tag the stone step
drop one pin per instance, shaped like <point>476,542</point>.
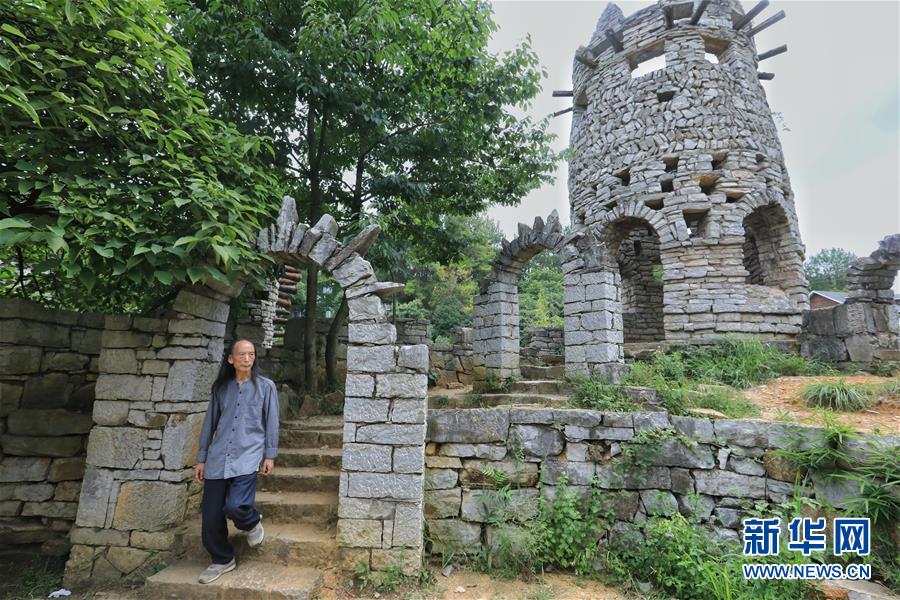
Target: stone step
<point>318,422</point>
<point>300,479</point>
<point>553,387</point>
<point>298,507</point>
<point>250,581</point>
<point>309,457</point>
<point>486,400</point>
<point>285,543</point>
<point>310,438</point>
<point>543,373</point>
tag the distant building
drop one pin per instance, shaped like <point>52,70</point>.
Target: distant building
<point>827,299</point>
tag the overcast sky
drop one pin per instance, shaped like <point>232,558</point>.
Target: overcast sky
<point>838,87</point>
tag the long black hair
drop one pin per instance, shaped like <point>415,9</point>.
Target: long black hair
<point>227,371</point>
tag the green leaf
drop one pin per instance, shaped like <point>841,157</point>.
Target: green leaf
<point>70,12</point>
<point>13,30</point>
<point>103,251</point>
<point>14,223</point>
<point>163,276</point>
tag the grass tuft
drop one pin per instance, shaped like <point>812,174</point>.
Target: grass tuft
<point>839,396</point>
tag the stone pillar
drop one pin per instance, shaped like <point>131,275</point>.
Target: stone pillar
<point>152,393</point>
<point>382,478</point>
<point>496,326</point>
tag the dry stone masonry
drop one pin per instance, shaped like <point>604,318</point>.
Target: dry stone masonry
<point>865,328</point>
<point>49,360</point>
<point>679,177</point>
<point>380,507</point>
<point>544,344</point>
<point>452,364</point>
<point>151,394</point>
<point>715,471</point>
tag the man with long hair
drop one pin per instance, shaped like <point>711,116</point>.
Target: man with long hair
<point>239,438</point>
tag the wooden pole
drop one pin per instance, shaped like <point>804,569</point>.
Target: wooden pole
<point>699,12</point>
<point>766,76</point>
<point>749,16</point>
<point>767,23</point>
<point>563,93</point>
<point>562,112</point>
<point>773,52</point>
<point>670,17</point>
<point>585,57</point>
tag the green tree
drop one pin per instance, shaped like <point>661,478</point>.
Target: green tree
<point>541,292</point>
<point>827,269</point>
<point>116,184</point>
<point>379,109</point>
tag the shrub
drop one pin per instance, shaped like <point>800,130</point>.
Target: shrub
<point>836,396</point>
<point>596,394</point>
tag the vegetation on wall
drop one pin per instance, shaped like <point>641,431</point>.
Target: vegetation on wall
<point>116,182</point>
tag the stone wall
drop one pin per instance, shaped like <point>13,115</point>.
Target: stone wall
<point>691,153</point>
<point>49,360</point>
<point>544,343</point>
<point>413,331</point>
<point>713,470</point>
<point>151,396</point>
<point>865,328</point>
<point>452,364</point>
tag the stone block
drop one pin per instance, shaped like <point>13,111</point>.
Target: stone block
<point>699,430</point>
<point>649,421</point>
<point>442,504</point>
<point>48,422</point>
<point>479,473</point>
<point>372,458</point>
<point>190,380</point>
<point>93,536</point>
<point>67,491</point>
<point>115,447</point>
<point>160,540</point>
<point>66,469</point>
<point>359,533</point>
<point>371,359</point>
<point>111,412</point>
<point>748,434</point>
<point>366,410</point>
<point>31,492</point>
<point>359,386</point>
<point>452,536</point>
<point>401,435</point>
<point>10,508</point>
<point>351,271</point>
<point>696,506</point>
<point>674,453</point>
<point>408,411</point>
<point>197,327</point>
<point>575,473</point>
<point>484,451</point>
<point>181,440</point>
<point>407,560</point>
<point>365,508</point>
<point>197,305</point>
<point>659,502</point>
<point>365,308</point>
<point>18,331</point>
<point>96,490</point>
<point>123,387</point>
<point>484,506</point>
<point>377,485</point>
<point>127,560</point>
<point>16,445</point>
<point>726,483</point>
<point>371,333</point>
<point>17,469</point>
<point>468,426</point>
<point>861,348</point>
<point>409,459</point>
<point>51,390</point>
<point>610,478</point>
<point>118,360</point>
<point>53,510</point>
<point>414,357</point>
<point>408,524</point>
<point>65,361</point>
<point>401,385</point>
<point>149,505</point>
<point>19,360</point>
<point>440,479</point>
<point>9,398</point>
<point>537,440</point>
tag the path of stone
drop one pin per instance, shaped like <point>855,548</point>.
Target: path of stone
<point>299,506</point>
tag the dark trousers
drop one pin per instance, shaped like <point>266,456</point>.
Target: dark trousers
<point>232,498</point>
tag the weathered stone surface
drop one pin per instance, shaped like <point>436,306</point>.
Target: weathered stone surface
<point>66,469</point>
<point>408,411</point>
<point>371,458</point>
<point>181,440</point>
<point>51,390</point>
<point>67,491</point>
<point>118,360</point>
<point>48,422</point>
<point>9,398</point>
<point>190,380</point>
<point>123,387</point>
<point>659,502</point>
<point>674,453</point>
<point>365,508</point>
<point>94,536</point>
<point>403,434</point>
<point>409,459</point>
<point>648,421</point>
<point>201,306</point>
<point>32,492</point>
<point>16,469</point>
<point>485,451</point>
<point>65,361</point>
<point>442,504</point>
<point>115,447</point>
<point>725,483</point>
<point>55,510</point>
<point>371,359</point>
<point>69,445</point>
<point>359,533</point>
<point>609,477</point>
<point>537,440</point>
<point>699,430</point>
<point>742,433</point>
<point>111,412</point>
<point>471,425</point>
<point>149,505</point>
<point>401,385</point>
<point>836,492</point>
<point>96,490</point>
<point>440,479</point>
<point>160,540</point>
<point>480,473</point>
<point>19,360</point>
<point>126,560</point>
<point>482,506</point>
<point>575,473</point>
<point>378,485</point>
<point>449,536</point>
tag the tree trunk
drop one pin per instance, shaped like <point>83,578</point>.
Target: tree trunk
<point>331,343</point>
<point>315,149</point>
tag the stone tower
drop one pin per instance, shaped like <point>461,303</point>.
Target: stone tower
<point>679,178</point>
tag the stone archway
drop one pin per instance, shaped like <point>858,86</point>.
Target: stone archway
<point>382,473</point>
<point>495,312</point>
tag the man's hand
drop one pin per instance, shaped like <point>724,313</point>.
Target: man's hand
<point>268,466</point>
<point>198,472</point>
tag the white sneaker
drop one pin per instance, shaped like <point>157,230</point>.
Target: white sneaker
<point>255,536</point>
<point>214,571</point>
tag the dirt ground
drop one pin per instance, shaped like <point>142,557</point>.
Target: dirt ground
<point>468,585</point>
<point>780,400</point>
